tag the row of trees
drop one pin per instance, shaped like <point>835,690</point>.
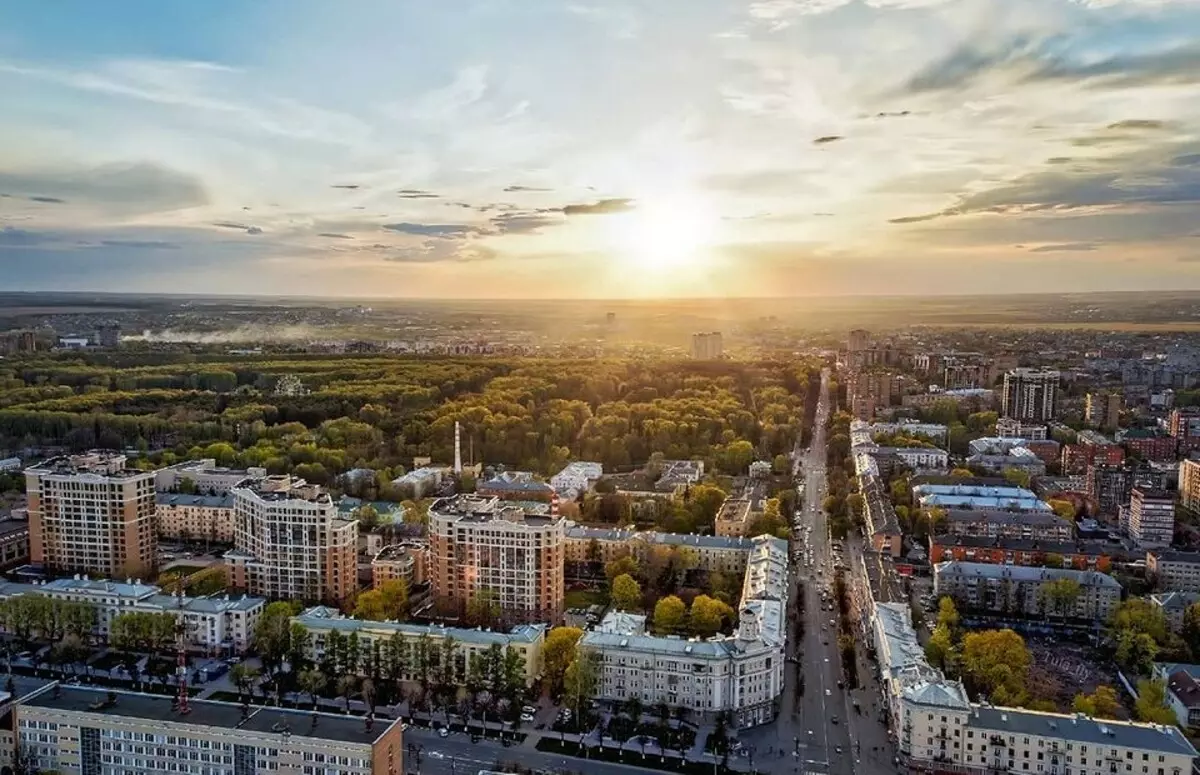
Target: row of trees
<point>33,617</point>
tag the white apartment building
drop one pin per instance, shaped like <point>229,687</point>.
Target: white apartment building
<point>488,545</point>
<point>469,643</point>
<point>928,430</point>
<point>76,730</point>
<point>219,622</point>
<point>1174,571</point>
<point>721,553</point>
<point>1012,428</point>
<point>578,476</point>
<point>741,674</point>
<point>290,542</point>
<point>204,474</point>
<point>940,730</point>
<point>1151,517</point>
<point>90,514</point>
<point>1021,590</point>
<point>422,480</point>
<point>707,346</point>
<point>195,517</point>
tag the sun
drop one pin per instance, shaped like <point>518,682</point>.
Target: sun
<point>668,232</point>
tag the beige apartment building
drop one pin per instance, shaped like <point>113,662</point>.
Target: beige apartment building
<point>76,730</point>
<point>1189,485</point>
<point>723,554</point>
<point>408,561</point>
<point>195,517</point>
<point>483,545</point>
<point>90,514</point>
<point>290,542</point>
<point>733,519</point>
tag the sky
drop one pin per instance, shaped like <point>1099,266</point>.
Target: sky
<point>600,148</point>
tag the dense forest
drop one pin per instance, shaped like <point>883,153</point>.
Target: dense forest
<point>381,412</point>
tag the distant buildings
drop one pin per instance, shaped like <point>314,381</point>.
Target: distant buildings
<point>1018,590</point>
<point>78,730</point>
<point>195,517</point>
<point>576,477</point>
<point>1173,606</point>
<point>997,455</point>
<point>515,485</point>
<point>1030,395</point>
<point>1189,485</point>
<point>290,542</point>
<point>998,523</point>
<point>1151,517</point>
<point>1009,428</point>
<point>707,346</point>
<point>881,525</point>
<point>482,548</point>
<point>1030,552</point>
<point>733,518</point>
<point>423,480</point>
<point>90,514</point>
<point>1184,423</point>
<point>204,476</point>
<point>1174,571</point>
<point>715,553</point>
<point>1103,410</point>
<point>108,336</point>
<point>931,431</point>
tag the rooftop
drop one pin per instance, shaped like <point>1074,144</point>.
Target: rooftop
<point>98,463</point>
<point>1081,729</point>
<point>210,501</point>
<point>515,481</point>
<point>986,570</point>
<point>1172,601</point>
<point>320,617</point>
<point>222,715</point>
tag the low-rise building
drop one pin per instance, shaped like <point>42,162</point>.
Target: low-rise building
<point>14,543</point>
<point>1019,590</point>
<point>997,455</point>
<point>78,730</point>
<point>733,518</point>
<point>215,623</point>
<point>1173,606</point>
<point>949,496</point>
<point>1174,571</point>
<point>882,526</point>
<point>202,476</point>
<point>194,517</point>
<point>1030,552</point>
<point>515,485</point>
<point>576,477</point>
<point>408,561</point>
<point>740,674</point>
<point>1011,428</point>
<point>995,523</point>
<point>724,554</point>
<point>399,638</point>
<point>423,480</point>
<point>928,430</point>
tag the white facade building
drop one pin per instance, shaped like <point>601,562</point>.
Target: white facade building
<point>741,674</point>
<point>1151,517</point>
<point>1021,590</point>
<point>578,476</point>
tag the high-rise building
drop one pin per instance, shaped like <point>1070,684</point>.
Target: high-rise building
<point>108,336</point>
<point>1185,422</point>
<point>707,346</point>
<point>76,730</point>
<point>1189,485</point>
<point>1030,395</point>
<point>90,514</point>
<point>290,542</point>
<point>1151,517</point>
<point>1111,486</point>
<point>860,339</point>
<point>1103,410</point>
<point>506,554</point>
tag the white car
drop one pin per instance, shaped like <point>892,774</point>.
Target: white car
<point>527,718</point>
<point>828,693</point>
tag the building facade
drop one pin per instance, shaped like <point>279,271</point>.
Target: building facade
<point>195,517</point>
<point>1189,485</point>
<point>1174,571</point>
<point>1103,410</point>
<point>707,346</point>
<point>90,514</point>
<point>1151,517</point>
<point>291,543</point>
<point>75,730</point>
<point>486,546</point>
<point>1025,591</point>
<point>1030,395</point>
<point>408,561</point>
<point>203,477</point>
<point>576,477</point>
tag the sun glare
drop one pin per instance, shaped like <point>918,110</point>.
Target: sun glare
<point>668,232</point>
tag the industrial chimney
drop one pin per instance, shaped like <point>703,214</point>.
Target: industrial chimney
<point>457,448</point>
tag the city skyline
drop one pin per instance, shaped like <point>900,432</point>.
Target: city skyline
<point>616,149</point>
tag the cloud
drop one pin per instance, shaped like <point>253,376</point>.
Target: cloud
<point>254,230</point>
<point>231,225</point>
<point>621,22</point>
<point>915,218</point>
<point>115,189</point>
<point>511,223</point>
<point>348,186</point>
<point>437,251</point>
<point>1065,247</point>
<point>1138,124</point>
<point>523,189</point>
<point>432,229</point>
<point>136,244</point>
<point>334,235</point>
<point>827,139</point>
<point>416,193</point>
<point>12,237</point>
<point>444,105</point>
<point>602,207</point>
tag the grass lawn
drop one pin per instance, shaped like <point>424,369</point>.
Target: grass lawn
<point>176,570</point>
<point>582,598</point>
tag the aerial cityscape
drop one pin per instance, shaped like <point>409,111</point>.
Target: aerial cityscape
<point>777,387</point>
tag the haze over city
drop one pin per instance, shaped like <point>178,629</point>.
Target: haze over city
<point>509,149</point>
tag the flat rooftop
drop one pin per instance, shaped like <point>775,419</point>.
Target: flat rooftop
<point>220,715</point>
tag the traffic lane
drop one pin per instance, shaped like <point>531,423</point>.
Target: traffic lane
<point>457,755</point>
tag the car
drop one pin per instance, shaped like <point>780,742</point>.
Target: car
<point>443,732</point>
<point>834,719</point>
<point>527,718</point>
<point>837,749</point>
<point>841,684</point>
<point>437,754</point>
<point>828,693</point>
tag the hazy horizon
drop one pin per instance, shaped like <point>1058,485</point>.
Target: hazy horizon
<point>505,150</point>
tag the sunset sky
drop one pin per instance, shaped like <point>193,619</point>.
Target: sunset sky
<point>599,148</point>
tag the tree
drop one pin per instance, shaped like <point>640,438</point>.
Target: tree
<point>626,593</point>
<point>1063,508</point>
<point>243,677</point>
<point>1017,476</point>
<point>1151,704</point>
<point>483,608</point>
<point>558,653</point>
<point>1139,629</point>
<point>1191,629</point>
<point>669,612</point>
<point>370,605</point>
<point>626,565</point>
<point>961,473</point>
<point>1059,596</point>
<point>271,634</point>
<point>709,615</point>
<point>580,679</point>
<point>312,683</point>
<point>1102,703</point>
<point>996,662</point>
<point>395,598</point>
<point>347,685</point>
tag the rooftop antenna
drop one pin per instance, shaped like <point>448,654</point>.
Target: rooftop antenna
<point>457,447</point>
<point>181,648</point>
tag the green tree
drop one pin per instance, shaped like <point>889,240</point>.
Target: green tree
<point>1102,703</point>
<point>669,613</point>
<point>621,566</point>
<point>312,683</point>
<point>558,653</point>
<point>1017,476</point>
<point>709,615</point>
<point>626,593</point>
<point>580,680</point>
<point>1060,596</point>
<point>271,634</point>
<point>996,663</point>
<point>370,605</point>
<point>1151,704</point>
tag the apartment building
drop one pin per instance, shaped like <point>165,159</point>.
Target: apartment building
<point>576,477</point>
<point>1184,422</point>
<point>733,518</point>
<point>469,644</point>
<point>14,543</point>
<point>882,526</point>
<point>422,480</point>
<point>1173,606</point>
<point>1189,485</point>
<point>1111,487</point>
<point>1029,552</point>
<point>1151,517</point>
<point>1103,410</point>
<point>740,674</point>
<point>1012,428</point>
<point>90,514</point>
<point>215,623</point>
<point>487,545</point>
<point>195,517</point>
<point>940,730</point>
<point>291,543</point>
<point>707,346</point>
<point>1174,571</point>
<point>1030,395</point>
<point>76,730</point>
<point>1077,458</point>
<point>950,496</point>
<point>515,485</point>
<point>716,553</point>
<point>1019,590</point>
<point>928,430</point>
<point>408,561</point>
<point>202,476</point>
<point>997,523</point>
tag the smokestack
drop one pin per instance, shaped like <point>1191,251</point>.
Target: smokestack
<point>457,447</point>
